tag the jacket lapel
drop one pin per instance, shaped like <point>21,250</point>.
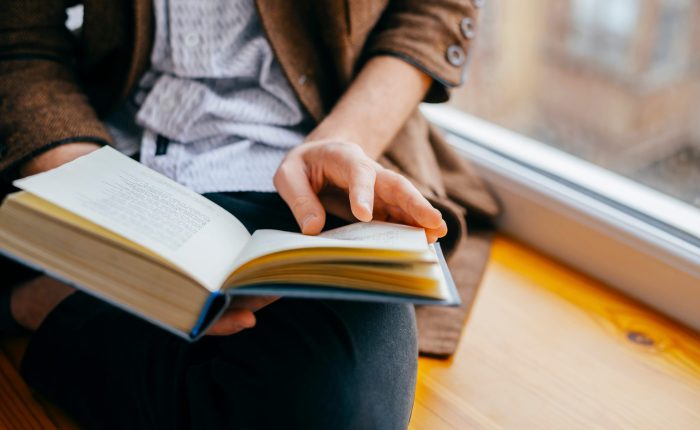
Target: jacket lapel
<point>286,26</point>
<point>141,44</point>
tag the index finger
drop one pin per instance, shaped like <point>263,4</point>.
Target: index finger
<point>361,190</point>
<point>394,189</point>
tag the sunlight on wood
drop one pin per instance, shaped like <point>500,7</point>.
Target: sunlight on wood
<point>18,409</point>
<point>547,347</point>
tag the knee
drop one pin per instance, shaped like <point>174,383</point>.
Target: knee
<point>375,385</point>
<point>336,365</point>
<point>390,365</point>
<point>386,346</point>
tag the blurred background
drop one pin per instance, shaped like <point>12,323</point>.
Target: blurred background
<point>616,82</point>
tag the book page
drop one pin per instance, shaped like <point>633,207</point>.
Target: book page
<point>363,235</point>
<point>126,197</point>
<point>381,235</point>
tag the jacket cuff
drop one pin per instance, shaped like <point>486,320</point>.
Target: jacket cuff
<point>434,37</point>
<point>439,90</point>
<point>41,113</point>
<point>11,171</point>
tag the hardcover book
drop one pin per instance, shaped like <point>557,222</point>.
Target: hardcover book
<point>116,229</point>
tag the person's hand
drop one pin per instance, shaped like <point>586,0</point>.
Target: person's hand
<point>29,311</point>
<point>240,315</point>
<point>55,157</point>
<point>339,177</point>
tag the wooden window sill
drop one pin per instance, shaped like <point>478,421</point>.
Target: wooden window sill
<point>546,347</point>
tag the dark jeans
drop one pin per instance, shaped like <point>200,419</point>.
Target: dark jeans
<point>308,364</point>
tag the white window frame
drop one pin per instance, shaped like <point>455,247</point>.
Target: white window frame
<point>629,236</point>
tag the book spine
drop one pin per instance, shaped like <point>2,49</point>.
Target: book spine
<point>215,306</point>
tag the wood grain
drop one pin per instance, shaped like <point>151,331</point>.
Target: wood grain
<point>39,408</point>
<point>548,348</point>
<point>18,409</point>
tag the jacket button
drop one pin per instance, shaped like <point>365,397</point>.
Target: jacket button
<point>467,27</point>
<point>455,55</point>
<point>478,3</point>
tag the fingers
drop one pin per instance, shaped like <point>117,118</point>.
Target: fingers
<point>336,202</point>
<point>232,322</point>
<point>397,191</point>
<point>239,316</point>
<point>395,214</point>
<point>433,234</point>
<point>293,185</point>
<point>361,190</point>
<point>372,191</point>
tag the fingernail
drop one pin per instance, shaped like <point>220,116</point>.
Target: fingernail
<point>305,222</point>
<point>366,204</point>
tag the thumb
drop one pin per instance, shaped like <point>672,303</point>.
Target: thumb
<point>293,185</point>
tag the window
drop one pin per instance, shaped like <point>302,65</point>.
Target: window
<point>584,116</point>
<point>671,45</point>
<point>602,31</point>
<point>606,80</point>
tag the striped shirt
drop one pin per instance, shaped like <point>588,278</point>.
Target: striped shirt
<point>215,111</point>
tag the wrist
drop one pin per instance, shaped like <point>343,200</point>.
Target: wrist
<point>339,135</point>
<point>329,145</point>
<point>55,157</point>
<point>328,131</point>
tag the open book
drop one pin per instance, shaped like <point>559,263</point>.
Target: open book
<point>124,233</point>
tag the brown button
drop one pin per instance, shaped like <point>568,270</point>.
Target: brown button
<point>478,3</point>
<point>455,55</point>
<point>467,27</point>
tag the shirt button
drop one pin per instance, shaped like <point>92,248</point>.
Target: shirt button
<point>478,3</point>
<point>467,27</point>
<point>455,55</point>
<point>191,40</point>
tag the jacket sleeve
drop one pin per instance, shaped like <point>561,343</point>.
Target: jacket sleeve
<point>434,36</point>
<point>41,104</point>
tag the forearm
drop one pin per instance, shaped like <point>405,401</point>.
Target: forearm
<point>376,105</point>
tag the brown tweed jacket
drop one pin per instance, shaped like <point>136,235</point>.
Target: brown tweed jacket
<point>55,86</point>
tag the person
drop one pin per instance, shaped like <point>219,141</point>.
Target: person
<point>294,116</point>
